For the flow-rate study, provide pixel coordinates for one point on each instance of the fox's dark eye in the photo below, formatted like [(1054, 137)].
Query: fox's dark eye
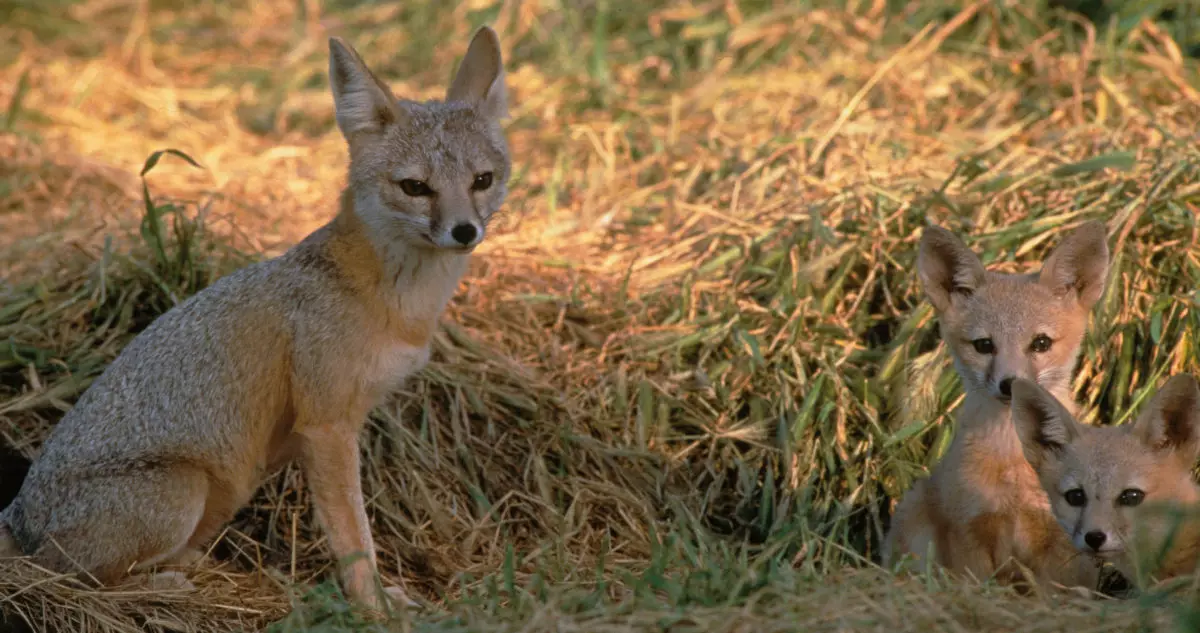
[(482, 182), (1075, 497), (1131, 497), (984, 345), (1041, 344), (415, 188)]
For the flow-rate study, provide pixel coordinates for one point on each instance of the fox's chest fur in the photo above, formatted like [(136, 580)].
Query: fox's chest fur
[(391, 366), (1002, 504), (364, 326), (396, 295), (988, 494), (407, 319)]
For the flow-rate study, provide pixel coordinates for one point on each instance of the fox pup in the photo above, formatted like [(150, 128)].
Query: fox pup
[(982, 505), (283, 359), (1098, 477)]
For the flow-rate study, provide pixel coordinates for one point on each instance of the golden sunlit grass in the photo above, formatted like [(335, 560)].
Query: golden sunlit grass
[(691, 367)]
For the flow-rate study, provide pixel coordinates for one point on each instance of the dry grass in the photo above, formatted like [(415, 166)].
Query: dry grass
[(690, 368)]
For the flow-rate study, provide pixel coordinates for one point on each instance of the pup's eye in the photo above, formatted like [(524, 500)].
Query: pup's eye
[(415, 188), (1040, 344), (984, 345), (1075, 497), (482, 182), (1131, 497)]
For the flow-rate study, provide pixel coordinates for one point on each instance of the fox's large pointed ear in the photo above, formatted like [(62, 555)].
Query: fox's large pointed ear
[(1079, 265), (1171, 420), (361, 101), (1043, 424), (480, 77), (947, 267)]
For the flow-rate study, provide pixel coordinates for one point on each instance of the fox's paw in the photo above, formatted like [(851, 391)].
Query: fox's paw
[(397, 601), (189, 557), (186, 558), (399, 598), (170, 581)]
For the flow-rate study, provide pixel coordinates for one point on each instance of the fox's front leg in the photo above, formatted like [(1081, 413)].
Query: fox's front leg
[(330, 461)]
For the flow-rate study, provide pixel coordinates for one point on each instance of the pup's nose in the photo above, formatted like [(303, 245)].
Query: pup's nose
[(1095, 539), (1006, 387), (464, 233)]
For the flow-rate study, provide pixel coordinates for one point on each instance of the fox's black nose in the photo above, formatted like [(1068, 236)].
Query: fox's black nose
[(1094, 539), (1006, 387), (464, 233)]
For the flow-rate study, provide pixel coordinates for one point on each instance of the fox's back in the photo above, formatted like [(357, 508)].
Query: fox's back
[(186, 384)]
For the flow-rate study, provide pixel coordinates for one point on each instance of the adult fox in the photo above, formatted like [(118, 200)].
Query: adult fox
[(285, 358)]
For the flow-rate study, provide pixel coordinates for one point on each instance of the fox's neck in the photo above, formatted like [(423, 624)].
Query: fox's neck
[(982, 416), (412, 283)]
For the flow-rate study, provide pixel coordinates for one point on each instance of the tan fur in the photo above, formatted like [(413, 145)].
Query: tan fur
[(1153, 455), (282, 360), (982, 509)]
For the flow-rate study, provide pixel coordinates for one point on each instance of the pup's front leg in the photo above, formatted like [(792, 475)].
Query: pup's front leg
[(330, 461)]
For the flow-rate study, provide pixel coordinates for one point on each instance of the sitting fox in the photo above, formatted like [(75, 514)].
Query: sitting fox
[(283, 359), (982, 508), (1123, 494)]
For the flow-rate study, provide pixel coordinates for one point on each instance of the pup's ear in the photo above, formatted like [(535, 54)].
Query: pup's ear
[(1043, 424), (1171, 420), (947, 267), (1079, 265)]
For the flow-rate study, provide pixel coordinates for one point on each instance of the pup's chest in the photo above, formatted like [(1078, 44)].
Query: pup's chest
[(999, 480)]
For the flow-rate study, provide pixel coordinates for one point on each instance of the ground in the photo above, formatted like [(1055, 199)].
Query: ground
[(691, 369)]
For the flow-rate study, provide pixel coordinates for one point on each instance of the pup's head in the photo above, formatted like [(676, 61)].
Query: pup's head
[(1097, 477), (430, 174), (1000, 327)]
